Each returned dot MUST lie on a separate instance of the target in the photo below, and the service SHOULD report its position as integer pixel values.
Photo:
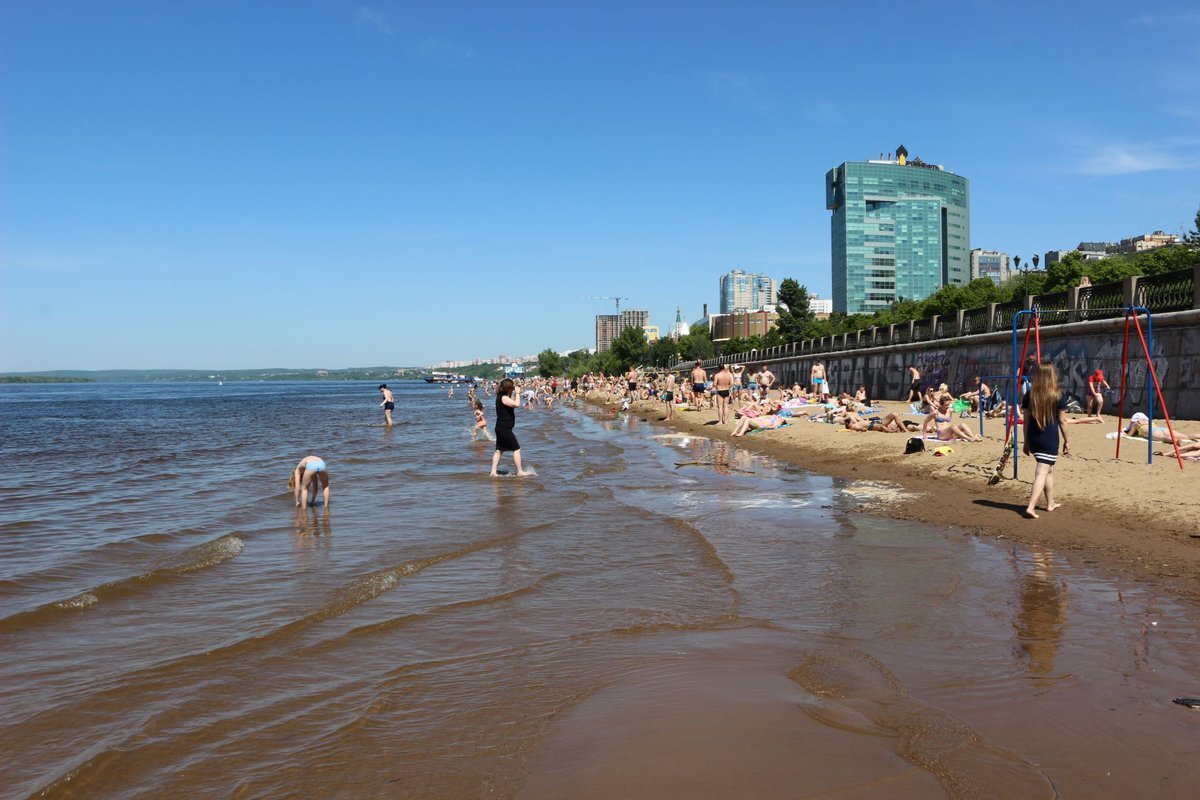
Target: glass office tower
(742, 291)
(900, 229)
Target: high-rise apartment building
(990, 264)
(609, 326)
(742, 291)
(901, 228)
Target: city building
(990, 264)
(1147, 241)
(822, 308)
(680, 328)
(742, 291)
(1094, 251)
(609, 326)
(704, 322)
(741, 324)
(651, 332)
(900, 228)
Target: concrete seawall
(1076, 349)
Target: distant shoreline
(42, 379)
(380, 374)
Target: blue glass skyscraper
(900, 229)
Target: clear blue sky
(327, 184)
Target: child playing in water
(311, 469)
(480, 422)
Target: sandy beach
(1126, 515)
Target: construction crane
(617, 299)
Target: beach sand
(1124, 515)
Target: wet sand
(1127, 515)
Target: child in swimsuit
(310, 470)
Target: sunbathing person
(947, 429)
(892, 423)
(1191, 450)
(764, 423)
(1140, 425)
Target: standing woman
(506, 418)
(1045, 422)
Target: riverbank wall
(1075, 348)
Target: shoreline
(1112, 514)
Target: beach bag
(960, 406)
(915, 445)
(1074, 405)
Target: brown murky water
(617, 627)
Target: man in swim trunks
(817, 377)
(766, 379)
(311, 469)
(388, 404)
(631, 381)
(914, 385)
(668, 394)
(699, 378)
(722, 382)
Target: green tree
(629, 348)
(736, 345)
(549, 363)
(1193, 239)
(1066, 272)
(795, 316)
(697, 345)
(664, 352)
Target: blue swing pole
(985, 379)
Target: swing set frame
(1146, 339)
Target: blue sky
(327, 184)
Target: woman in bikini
(947, 429)
(766, 423)
(1140, 425)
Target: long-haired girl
(1045, 422)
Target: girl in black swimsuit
(506, 418)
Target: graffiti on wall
(1176, 357)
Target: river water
(652, 615)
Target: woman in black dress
(506, 418)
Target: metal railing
(1168, 291)
(1103, 298)
(1048, 304)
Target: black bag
(915, 445)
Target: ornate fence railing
(1052, 307)
(1004, 314)
(1168, 291)
(975, 320)
(1098, 302)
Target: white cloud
(444, 51)
(1131, 159)
(740, 90)
(822, 111)
(369, 17)
(1168, 19)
